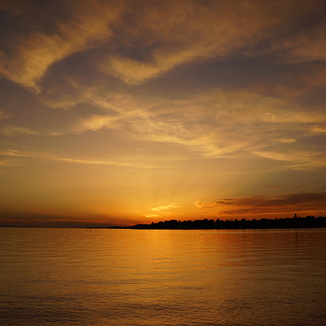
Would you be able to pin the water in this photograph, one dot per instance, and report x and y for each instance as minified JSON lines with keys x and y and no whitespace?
{"x":162,"y":277}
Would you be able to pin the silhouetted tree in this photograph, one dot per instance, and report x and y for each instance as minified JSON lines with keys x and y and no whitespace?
{"x":294,"y":222}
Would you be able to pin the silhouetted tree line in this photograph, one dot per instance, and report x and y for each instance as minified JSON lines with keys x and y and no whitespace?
{"x":277,"y":223}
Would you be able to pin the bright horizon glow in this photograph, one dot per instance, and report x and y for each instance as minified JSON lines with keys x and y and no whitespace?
{"x":133,"y":112}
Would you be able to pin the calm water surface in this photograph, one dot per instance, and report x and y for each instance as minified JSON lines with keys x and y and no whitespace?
{"x":162,"y":277}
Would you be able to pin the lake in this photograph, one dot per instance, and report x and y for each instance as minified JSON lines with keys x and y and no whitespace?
{"x":162,"y":277}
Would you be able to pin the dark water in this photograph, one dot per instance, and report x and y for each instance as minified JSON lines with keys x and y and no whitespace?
{"x":162,"y":277}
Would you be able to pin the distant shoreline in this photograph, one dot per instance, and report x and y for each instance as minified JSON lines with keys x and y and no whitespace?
{"x":295,"y":222}
{"x":277,"y":223}
{"x":307,"y":222}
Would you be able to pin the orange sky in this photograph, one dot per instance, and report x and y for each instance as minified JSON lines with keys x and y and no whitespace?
{"x":124,"y":112}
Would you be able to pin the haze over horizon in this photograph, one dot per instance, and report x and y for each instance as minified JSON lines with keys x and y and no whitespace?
{"x":125,"y":112}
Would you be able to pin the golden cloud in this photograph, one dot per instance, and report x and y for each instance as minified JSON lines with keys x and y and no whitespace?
{"x":215,"y":124}
{"x":37,"y":51}
{"x":151,"y":215}
{"x":163,"y":207}
{"x":96,"y":122}
{"x":165,"y":34}
{"x":129,"y":163}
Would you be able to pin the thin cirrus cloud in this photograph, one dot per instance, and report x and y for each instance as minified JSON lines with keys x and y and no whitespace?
{"x":20,"y":158}
{"x":9,"y":130}
{"x":207,"y":124}
{"x":51,"y":157}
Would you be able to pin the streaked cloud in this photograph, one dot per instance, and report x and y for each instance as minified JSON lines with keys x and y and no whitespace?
{"x":81,"y":161}
{"x":175,"y":33}
{"x":125,"y":163}
{"x":206,"y":124}
{"x":291,"y":155}
{"x":164,"y":35}
{"x":10,"y":130}
{"x":49,"y":156}
{"x":305,"y":203}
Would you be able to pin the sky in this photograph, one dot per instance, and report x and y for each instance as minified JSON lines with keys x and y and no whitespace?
{"x":136,"y":111}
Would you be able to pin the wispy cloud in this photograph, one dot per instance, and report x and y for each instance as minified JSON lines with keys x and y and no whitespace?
{"x":151,"y":215}
{"x":303,"y":44}
{"x":4,"y":115}
{"x":92,"y":162}
{"x":163,"y":207}
{"x":162,"y":210}
{"x":10,"y":130}
{"x":33,"y":50}
{"x":288,"y":156}
{"x":262,"y":205}
{"x":164,"y":35}
{"x":49,"y":156}
{"x":215,"y":124}
{"x":125,"y":163}
{"x":96,"y":122}
{"x":176,"y":33}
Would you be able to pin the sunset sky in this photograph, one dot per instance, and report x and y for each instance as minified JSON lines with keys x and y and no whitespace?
{"x":124,"y":112}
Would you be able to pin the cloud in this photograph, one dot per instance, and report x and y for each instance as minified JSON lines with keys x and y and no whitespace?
{"x":163,"y":207}
{"x":34,"y":48}
{"x":132,"y":71}
{"x":227,"y":88}
{"x":318,"y":129}
{"x":151,"y":215}
{"x":125,"y":163}
{"x":303,"y":41}
{"x":211,"y":124}
{"x":260,"y":205}
{"x":168,"y":34}
{"x":161,"y":210}
{"x":289,"y":156}
{"x":137,"y":43}
{"x":11,"y":130}
{"x":96,"y":122}
{"x":287,"y":140}
{"x":4,"y":115}
{"x":15,"y":153}
{"x":273,"y":187}
{"x":7,"y":163}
